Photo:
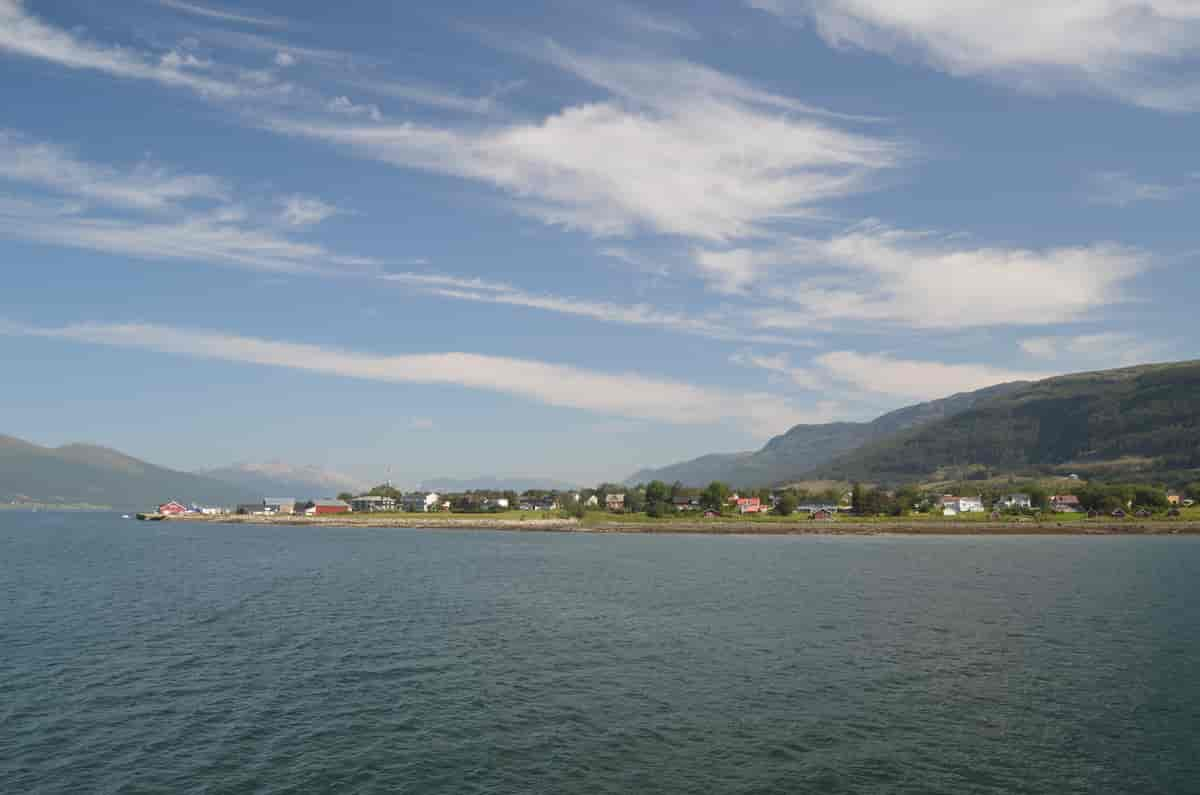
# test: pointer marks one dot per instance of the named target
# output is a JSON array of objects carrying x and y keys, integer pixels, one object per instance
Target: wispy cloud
[
  {"x": 145, "y": 187},
  {"x": 639, "y": 19},
  {"x": 165, "y": 223},
  {"x": 681, "y": 150},
  {"x": 1141, "y": 51},
  {"x": 436, "y": 96},
  {"x": 346, "y": 107},
  {"x": 880, "y": 274},
  {"x": 913, "y": 379},
  {"x": 261, "y": 20},
  {"x": 23, "y": 34},
  {"x": 630, "y": 314},
  {"x": 1103, "y": 349},
  {"x": 1121, "y": 189},
  {"x": 620, "y": 394},
  {"x": 306, "y": 210}
]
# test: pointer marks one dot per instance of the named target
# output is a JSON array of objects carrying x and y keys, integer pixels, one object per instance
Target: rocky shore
[{"x": 722, "y": 527}]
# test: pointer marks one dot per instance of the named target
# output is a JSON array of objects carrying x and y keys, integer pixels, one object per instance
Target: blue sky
[{"x": 546, "y": 238}]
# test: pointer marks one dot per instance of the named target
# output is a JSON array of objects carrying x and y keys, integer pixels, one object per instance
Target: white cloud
[
  {"x": 659, "y": 24},
  {"x": 630, "y": 314},
  {"x": 224, "y": 233},
  {"x": 912, "y": 379},
  {"x": 678, "y": 148},
  {"x": 1119, "y": 189},
  {"x": 621, "y": 394},
  {"x": 285, "y": 59},
  {"x": 218, "y": 238},
  {"x": 1141, "y": 51},
  {"x": 306, "y": 210},
  {"x": 1104, "y": 349},
  {"x": 26, "y": 35},
  {"x": 705, "y": 169},
  {"x": 880, "y": 274},
  {"x": 224, "y": 16},
  {"x": 346, "y": 107},
  {"x": 436, "y": 96},
  {"x": 145, "y": 187}
]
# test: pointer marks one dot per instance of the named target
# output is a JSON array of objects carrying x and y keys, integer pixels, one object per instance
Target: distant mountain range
[
  {"x": 277, "y": 479},
  {"x": 1133, "y": 423},
  {"x": 517, "y": 484},
  {"x": 84, "y": 473}
]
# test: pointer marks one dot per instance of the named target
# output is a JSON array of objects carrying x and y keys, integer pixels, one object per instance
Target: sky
[{"x": 410, "y": 240}]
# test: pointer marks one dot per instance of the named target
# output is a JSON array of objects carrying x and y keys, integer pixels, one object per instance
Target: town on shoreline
[{"x": 658, "y": 507}]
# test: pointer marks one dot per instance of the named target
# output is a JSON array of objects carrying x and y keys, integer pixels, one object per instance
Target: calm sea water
[{"x": 156, "y": 657}]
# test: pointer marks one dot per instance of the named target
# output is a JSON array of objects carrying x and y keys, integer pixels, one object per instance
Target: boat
[
  {"x": 125, "y": 516},
  {"x": 151, "y": 517}
]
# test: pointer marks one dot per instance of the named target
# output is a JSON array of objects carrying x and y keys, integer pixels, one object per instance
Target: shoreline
[{"x": 719, "y": 527}]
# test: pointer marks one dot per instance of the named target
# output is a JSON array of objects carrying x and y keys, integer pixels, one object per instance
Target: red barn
[
  {"x": 172, "y": 508},
  {"x": 323, "y": 507}
]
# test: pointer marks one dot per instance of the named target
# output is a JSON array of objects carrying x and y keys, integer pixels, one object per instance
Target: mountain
[
  {"x": 1136, "y": 423},
  {"x": 804, "y": 448},
  {"x": 518, "y": 484},
  {"x": 277, "y": 479},
  {"x": 83, "y": 473}
]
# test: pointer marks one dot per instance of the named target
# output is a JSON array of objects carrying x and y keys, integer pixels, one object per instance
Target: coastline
[{"x": 1106, "y": 527}]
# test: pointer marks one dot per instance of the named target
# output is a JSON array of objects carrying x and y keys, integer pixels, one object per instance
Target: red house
[
  {"x": 323, "y": 507},
  {"x": 172, "y": 508},
  {"x": 749, "y": 505}
]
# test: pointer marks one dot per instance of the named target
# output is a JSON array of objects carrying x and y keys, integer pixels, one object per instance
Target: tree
[
  {"x": 657, "y": 491},
  {"x": 857, "y": 502},
  {"x": 635, "y": 501},
  {"x": 656, "y": 509},
  {"x": 677, "y": 490},
  {"x": 345, "y": 496},
  {"x": 787, "y": 504},
  {"x": 714, "y": 496}
]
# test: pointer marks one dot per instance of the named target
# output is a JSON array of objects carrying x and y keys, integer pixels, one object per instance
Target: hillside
[
  {"x": 276, "y": 479},
  {"x": 79, "y": 473},
  {"x": 798, "y": 452},
  {"x": 1132, "y": 423}
]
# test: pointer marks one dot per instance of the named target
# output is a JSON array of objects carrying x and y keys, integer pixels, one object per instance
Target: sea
[{"x": 140, "y": 657}]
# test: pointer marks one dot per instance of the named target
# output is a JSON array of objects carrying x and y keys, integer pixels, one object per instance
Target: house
[
  {"x": 823, "y": 515},
  {"x": 953, "y": 506},
  {"x": 592, "y": 501},
  {"x": 373, "y": 503},
  {"x": 284, "y": 505},
  {"x": 172, "y": 508},
  {"x": 614, "y": 502},
  {"x": 494, "y": 504},
  {"x": 1174, "y": 499},
  {"x": 1020, "y": 502},
  {"x": 420, "y": 502},
  {"x": 749, "y": 505},
  {"x": 326, "y": 507},
  {"x": 1065, "y": 503},
  {"x": 686, "y": 503}
]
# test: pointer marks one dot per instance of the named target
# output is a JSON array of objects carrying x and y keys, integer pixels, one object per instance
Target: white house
[
  {"x": 371, "y": 503},
  {"x": 953, "y": 506},
  {"x": 1019, "y": 501},
  {"x": 592, "y": 501},
  {"x": 421, "y": 502}
]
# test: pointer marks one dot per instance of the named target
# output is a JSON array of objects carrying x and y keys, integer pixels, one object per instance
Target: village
[{"x": 657, "y": 500}]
